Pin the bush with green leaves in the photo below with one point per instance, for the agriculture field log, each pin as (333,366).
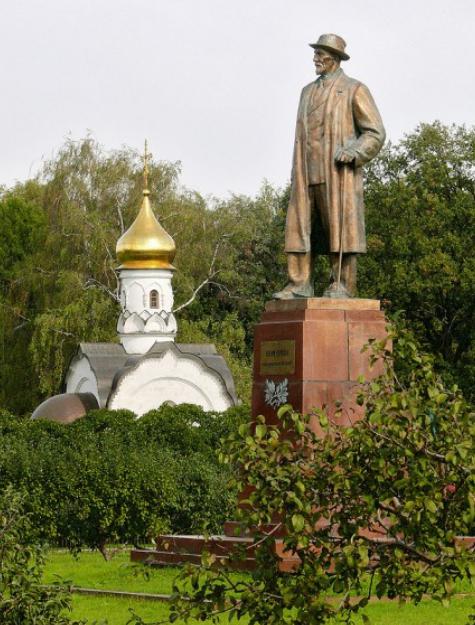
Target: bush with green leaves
(23,598)
(112,478)
(370,510)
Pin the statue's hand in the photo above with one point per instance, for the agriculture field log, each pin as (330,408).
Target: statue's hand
(345,155)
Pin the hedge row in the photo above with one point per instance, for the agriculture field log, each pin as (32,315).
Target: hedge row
(112,478)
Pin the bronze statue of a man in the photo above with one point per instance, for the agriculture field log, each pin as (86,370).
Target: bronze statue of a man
(339,129)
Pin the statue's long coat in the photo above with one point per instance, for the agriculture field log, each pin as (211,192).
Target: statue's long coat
(351,117)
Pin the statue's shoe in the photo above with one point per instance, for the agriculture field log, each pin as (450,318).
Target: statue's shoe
(293,291)
(337,291)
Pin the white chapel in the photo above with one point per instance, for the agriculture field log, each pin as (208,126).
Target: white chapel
(146,367)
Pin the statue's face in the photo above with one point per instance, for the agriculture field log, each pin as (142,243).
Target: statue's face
(325,62)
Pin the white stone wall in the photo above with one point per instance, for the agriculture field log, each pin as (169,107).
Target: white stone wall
(173,379)
(137,284)
(140,325)
(81,378)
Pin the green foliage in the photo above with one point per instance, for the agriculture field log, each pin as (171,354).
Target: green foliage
(421,223)
(373,509)
(88,316)
(23,598)
(110,477)
(22,235)
(23,230)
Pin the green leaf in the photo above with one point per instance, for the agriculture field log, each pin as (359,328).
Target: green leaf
(338,585)
(261,430)
(243,429)
(283,410)
(298,522)
(323,419)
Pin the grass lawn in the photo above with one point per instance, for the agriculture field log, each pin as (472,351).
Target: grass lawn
(116,611)
(90,570)
(426,613)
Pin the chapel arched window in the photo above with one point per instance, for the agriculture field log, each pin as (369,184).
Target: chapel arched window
(154,300)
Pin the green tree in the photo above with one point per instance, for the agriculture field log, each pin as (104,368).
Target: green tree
(62,287)
(22,235)
(23,598)
(420,197)
(374,509)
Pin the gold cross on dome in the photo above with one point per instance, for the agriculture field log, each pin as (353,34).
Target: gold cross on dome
(145,165)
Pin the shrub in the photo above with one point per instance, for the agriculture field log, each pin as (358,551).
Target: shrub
(110,477)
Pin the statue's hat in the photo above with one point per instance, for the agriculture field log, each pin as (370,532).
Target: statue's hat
(333,43)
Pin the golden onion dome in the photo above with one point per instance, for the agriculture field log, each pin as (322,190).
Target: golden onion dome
(146,244)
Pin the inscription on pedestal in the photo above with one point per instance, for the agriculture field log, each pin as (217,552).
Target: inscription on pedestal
(277,358)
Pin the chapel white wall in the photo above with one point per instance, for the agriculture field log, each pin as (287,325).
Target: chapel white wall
(139,325)
(170,379)
(81,378)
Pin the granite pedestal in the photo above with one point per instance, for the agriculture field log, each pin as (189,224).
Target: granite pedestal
(310,352)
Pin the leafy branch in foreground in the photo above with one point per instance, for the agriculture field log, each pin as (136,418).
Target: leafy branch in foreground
(370,510)
(23,599)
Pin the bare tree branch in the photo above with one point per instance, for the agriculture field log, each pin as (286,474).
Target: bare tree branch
(93,283)
(195,293)
(162,219)
(265,537)
(395,542)
(208,280)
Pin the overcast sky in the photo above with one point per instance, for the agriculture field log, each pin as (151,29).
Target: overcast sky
(215,83)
